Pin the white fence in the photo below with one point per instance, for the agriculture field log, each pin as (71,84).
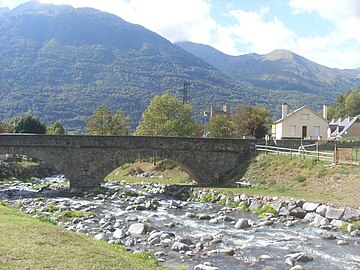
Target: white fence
(302,152)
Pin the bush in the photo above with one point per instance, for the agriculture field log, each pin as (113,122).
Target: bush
(299,178)
(267,208)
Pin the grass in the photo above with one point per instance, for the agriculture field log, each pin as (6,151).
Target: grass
(171,174)
(38,245)
(285,176)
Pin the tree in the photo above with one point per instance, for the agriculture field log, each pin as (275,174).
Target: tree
(27,123)
(167,116)
(251,121)
(220,127)
(102,122)
(4,127)
(352,103)
(55,129)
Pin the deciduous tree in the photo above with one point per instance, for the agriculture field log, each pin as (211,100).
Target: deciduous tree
(167,116)
(27,123)
(4,127)
(55,129)
(220,127)
(251,121)
(103,122)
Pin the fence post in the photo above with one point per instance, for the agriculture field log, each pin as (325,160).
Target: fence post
(335,153)
(290,152)
(317,150)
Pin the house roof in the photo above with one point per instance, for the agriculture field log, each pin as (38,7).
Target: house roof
(343,124)
(297,110)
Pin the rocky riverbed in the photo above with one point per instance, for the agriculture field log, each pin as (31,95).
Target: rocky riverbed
(199,229)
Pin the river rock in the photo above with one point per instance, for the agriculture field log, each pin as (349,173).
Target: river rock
(310,207)
(297,267)
(203,216)
(189,215)
(205,267)
(186,241)
(298,212)
(102,237)
(321,210)
(351,214)
(241,224)
(206,238)
(119,234)
(328,236)
(264,258)
(137,229)
(178,246)
(337,223)
(342,242)
(324,222)
(350,228)
(222,251)
(334,213)
(310,217)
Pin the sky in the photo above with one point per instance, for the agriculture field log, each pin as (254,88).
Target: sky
(324,31)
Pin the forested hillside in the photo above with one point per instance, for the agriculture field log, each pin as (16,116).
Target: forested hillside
(280,69)
(61,63)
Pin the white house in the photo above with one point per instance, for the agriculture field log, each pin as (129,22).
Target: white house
(301,123)
(344,127)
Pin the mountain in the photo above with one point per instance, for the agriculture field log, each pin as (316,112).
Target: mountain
(279,69)
(61,63)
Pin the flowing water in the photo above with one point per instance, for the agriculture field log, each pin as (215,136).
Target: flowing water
(248,246)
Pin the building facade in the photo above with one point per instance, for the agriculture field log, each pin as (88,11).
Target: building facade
(301,123)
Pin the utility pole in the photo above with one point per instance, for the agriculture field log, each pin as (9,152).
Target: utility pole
(185,92)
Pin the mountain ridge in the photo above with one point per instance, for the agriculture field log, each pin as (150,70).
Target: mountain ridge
(61,62)
(276,68)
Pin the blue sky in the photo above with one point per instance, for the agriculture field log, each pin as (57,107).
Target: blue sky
(324,31)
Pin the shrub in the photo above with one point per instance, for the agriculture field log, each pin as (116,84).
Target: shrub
(207,197)
(267,208)
(299,178)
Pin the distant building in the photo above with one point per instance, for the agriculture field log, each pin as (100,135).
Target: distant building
(225,111)
(301,123)
(344,127)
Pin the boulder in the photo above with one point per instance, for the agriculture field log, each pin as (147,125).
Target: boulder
(178,246)
(310,207)
(351,214)
(298,212)
(241,224)
(334,213)
(137,229)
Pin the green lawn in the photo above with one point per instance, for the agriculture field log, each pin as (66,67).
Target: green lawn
(28,243)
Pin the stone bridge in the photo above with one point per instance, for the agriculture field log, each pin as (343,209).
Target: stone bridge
(87,160)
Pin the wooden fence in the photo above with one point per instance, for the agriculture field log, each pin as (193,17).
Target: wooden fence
(301,151)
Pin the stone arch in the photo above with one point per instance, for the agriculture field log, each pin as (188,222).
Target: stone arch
(186,162)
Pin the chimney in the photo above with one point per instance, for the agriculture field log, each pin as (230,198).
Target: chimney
(325,111)
(284,110)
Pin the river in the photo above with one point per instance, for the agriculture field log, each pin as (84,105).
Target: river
(190,233)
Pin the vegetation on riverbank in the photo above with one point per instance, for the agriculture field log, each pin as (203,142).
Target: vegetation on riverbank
(272,175)
(28,243)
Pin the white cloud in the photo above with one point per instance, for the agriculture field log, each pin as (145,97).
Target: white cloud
(176,19)
(257,34)
(339,48)
(253,31)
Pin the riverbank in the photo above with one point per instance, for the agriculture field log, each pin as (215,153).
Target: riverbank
(272,175)
(28,243)
(197,229)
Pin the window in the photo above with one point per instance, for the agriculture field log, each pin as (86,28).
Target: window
(316,131)
(305,117)
(292,131)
